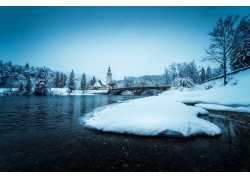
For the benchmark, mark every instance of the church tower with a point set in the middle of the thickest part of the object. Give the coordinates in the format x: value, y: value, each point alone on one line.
x: 109, y: 76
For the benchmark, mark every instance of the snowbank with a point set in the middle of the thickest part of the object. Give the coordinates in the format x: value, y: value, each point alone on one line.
x: 64, y: 91
x: 235, y: 93
x: 223, y: 108
x: 152, y: 116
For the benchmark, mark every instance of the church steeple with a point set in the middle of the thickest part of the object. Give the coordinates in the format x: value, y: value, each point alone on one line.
x: 109, y: 76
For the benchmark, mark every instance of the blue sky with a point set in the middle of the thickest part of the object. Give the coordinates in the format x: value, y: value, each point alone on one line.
x: 135, y: 41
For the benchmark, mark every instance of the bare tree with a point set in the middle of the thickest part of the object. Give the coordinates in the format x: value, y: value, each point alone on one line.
x: 240, y: 54
x: 222, y: 37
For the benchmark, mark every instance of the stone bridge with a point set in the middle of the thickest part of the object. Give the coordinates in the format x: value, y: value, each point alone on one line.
x: 137, y: 90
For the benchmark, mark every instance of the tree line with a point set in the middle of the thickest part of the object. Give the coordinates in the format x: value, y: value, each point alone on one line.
x: 36, y: 80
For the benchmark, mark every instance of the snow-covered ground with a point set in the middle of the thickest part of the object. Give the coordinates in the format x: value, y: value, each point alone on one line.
x: 235, y: 94
x: 64, y: 91
x: 167, y: 115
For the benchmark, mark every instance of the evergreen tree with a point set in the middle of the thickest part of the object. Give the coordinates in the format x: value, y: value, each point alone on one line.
x: 208, y: 73
x: 93, y: 81
x: 71, y: 84
x: 64, y: 80
x: 27, y: 66
x: 28, y: 86
x: 57, y: 80
x: 41, y: 83
x: 203, y: 75
x: 83, y: 84
x: 21, y: 88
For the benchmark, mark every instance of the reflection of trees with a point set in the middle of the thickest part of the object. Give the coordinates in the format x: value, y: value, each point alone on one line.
x: 41, y: 113
x: 71, y: 103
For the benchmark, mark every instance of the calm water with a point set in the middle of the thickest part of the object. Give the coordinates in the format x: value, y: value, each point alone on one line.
x: 47, y: 134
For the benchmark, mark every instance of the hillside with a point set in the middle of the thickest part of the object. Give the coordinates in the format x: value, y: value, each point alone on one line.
x: 234, y: 94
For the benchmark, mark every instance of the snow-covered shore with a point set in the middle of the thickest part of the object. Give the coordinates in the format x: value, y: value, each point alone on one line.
x: 235, y: 94
x: 62, y: 91
x: 167, y: 115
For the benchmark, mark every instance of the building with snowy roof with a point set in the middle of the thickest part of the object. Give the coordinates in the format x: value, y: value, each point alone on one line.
x: 100, y: 84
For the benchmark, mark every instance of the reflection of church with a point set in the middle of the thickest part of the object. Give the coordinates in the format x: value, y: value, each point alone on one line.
x: 101, y: 84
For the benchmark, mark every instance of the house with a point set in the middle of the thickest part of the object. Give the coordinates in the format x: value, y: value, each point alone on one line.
x: 100, y: 85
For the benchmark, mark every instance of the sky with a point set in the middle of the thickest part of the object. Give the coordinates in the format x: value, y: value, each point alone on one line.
x: 133, y: 40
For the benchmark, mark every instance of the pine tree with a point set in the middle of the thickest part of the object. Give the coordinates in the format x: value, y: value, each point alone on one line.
x: 28, y: 86
x: 21, y: 88
x: 41, y: 83
x: 57, y: 80
x: 83, y: 85
x: 208, y: 73
x: 203, y: 75
x: 93, y: 81
x: 71, y: 84
x: 27, y: 66
x: 64, y: 80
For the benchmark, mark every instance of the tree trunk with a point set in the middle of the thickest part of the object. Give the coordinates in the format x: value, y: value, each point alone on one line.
x: 225, y: 67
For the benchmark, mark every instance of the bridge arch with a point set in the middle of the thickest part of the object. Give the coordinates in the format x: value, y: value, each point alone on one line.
x: 138, y: 90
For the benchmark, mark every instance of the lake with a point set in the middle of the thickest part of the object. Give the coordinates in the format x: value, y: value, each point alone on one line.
x: 47, y: 134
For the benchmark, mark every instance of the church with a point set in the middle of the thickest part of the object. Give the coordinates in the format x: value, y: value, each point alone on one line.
x: 101, y: 85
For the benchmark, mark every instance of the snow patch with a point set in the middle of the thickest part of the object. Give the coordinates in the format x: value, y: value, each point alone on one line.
x: 152, y: 116
x: 223, y: 108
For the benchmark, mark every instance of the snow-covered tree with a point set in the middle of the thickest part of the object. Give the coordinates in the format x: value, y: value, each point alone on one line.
x: 71, y: 83
x: 93, y: 81
x: 183, y: 83
x: 128, y: 81
x: 240, y: 54
x: 28, y: 87
x: 57, y: 80
x: 208, y: 73
x: 83, y: 84
x: 193, y: 72
x: 41, y: 86
x: 167, y: 76
x: 112, y: 83
x: 63, y: 79
x: 203, y: 75
x: 222, y: 37
x: 173, y: 70
x: 21, y: 89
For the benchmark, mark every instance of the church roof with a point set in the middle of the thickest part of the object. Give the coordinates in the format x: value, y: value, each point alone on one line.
x: 102, y: 82
x: 97, y: 84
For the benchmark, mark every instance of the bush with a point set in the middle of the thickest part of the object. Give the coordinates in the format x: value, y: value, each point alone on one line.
x: 183, y: 83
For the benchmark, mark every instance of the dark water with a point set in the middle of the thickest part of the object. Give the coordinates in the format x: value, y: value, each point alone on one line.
x: 47, y: 134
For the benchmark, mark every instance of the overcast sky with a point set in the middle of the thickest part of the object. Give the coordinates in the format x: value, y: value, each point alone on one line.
x: 135, y: 41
